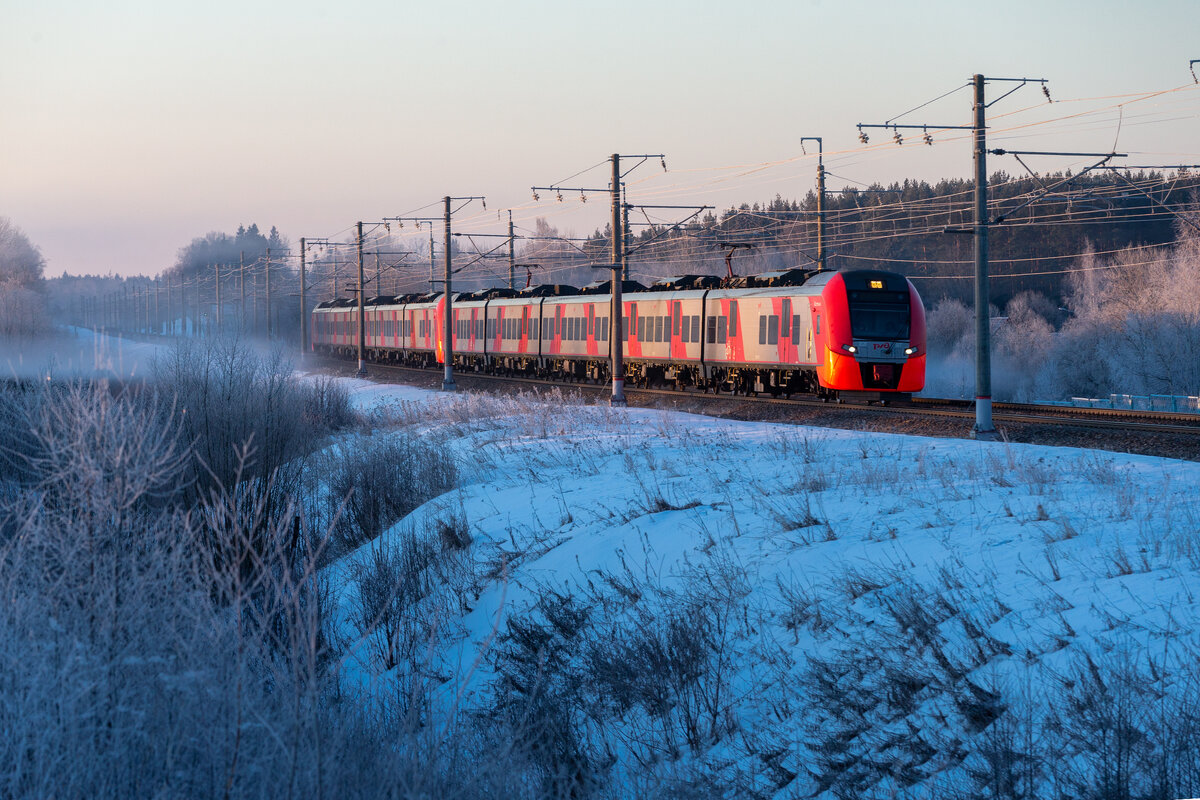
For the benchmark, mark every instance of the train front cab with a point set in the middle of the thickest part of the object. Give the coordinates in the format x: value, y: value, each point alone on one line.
x: 875, y: 338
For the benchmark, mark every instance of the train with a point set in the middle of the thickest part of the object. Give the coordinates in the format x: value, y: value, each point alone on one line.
x: 838, y: 335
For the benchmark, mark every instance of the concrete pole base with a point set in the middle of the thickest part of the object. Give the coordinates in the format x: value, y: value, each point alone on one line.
x: 448, y: 386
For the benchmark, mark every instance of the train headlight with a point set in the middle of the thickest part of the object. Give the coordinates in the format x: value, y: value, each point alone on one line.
x: 849, y: 348
x: 910, y: 351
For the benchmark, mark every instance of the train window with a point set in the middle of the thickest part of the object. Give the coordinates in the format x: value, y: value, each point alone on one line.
x: 711, y: 334
x: 722, y: 322
x: 591, y: 320
x: 695, y: 327
x: 685, y: 334
x: 678, y: 322
x: 884, y: 320
x: 818, y: 324
x: 733, y: 317
x: 604, y: 330
x: 658, y: 329
x: 762, y: 329
x: 795, y: 329
x: 773, y: 329
x: 625, y: 329
x: 785, y: 318
x: 632, y: 324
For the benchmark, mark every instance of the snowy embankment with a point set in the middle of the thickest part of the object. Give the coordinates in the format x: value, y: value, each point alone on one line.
x: 792, y: 611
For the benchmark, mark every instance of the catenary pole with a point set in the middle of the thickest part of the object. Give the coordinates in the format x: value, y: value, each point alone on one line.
x: 512, y: 258
x: 618, y: 256
x: 362, y: 322
x: 270, y: 332
x: 217, y: 287
x: 984, y: 429
x: 447, y: 344
x: 303, y: 302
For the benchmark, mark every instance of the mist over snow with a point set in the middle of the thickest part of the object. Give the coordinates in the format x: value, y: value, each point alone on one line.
x: 76, y: 353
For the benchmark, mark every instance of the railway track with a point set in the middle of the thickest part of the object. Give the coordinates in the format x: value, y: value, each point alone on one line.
x: 1002, y: 413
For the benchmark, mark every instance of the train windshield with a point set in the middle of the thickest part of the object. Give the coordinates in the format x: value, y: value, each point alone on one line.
x: 878, y: 315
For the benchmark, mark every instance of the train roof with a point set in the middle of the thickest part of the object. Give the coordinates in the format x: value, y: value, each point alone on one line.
x: 605, y: 287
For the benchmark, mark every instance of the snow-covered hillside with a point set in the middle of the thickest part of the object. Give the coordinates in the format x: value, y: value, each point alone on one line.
x: 748, y: 609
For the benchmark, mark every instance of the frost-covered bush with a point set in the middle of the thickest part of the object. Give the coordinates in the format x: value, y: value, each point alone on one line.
x: 162, y: 643
x: 375, y: 480
x: 245, y: 413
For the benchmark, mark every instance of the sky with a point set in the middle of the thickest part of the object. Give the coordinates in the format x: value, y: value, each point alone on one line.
x: 129, y: 128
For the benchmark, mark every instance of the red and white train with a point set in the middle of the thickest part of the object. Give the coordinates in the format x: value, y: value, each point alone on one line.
x: 852, y: 334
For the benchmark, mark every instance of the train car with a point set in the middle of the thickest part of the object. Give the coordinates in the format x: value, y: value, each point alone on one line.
x: 513, y: 332
x: 382, y: 316
x: 424, y: 323
x: 335, y: 327
x: 662, y: 339
x: 873, y: 343
x: 469, y: 330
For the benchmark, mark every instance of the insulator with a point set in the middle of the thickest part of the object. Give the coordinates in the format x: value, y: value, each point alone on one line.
x: 560, y: 197
x: 1046, y: 91
x: 928, y: 139
x: 535, y: 197
x: 664, y: 164
x: 387, y: 226
x: 862, y: 137
x: 484, y: 201
x: 899, y: 139
x: 582, y: 197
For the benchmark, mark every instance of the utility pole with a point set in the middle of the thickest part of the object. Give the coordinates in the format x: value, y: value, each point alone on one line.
x: 217, y: 283
x: 984, y: 428
x: 447, y: 344
x: 268, y: 282
x: 432, y: 261
x: 821, y: 266
x: 618, y: 262
x: 512, y: 258
x: 618, y: 259
x: 303, y: 303
x: 362, y: 323
x: 624, y: 237
x: 242, y: 275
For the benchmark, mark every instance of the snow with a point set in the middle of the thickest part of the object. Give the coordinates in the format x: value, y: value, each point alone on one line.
x: 833, y: 546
